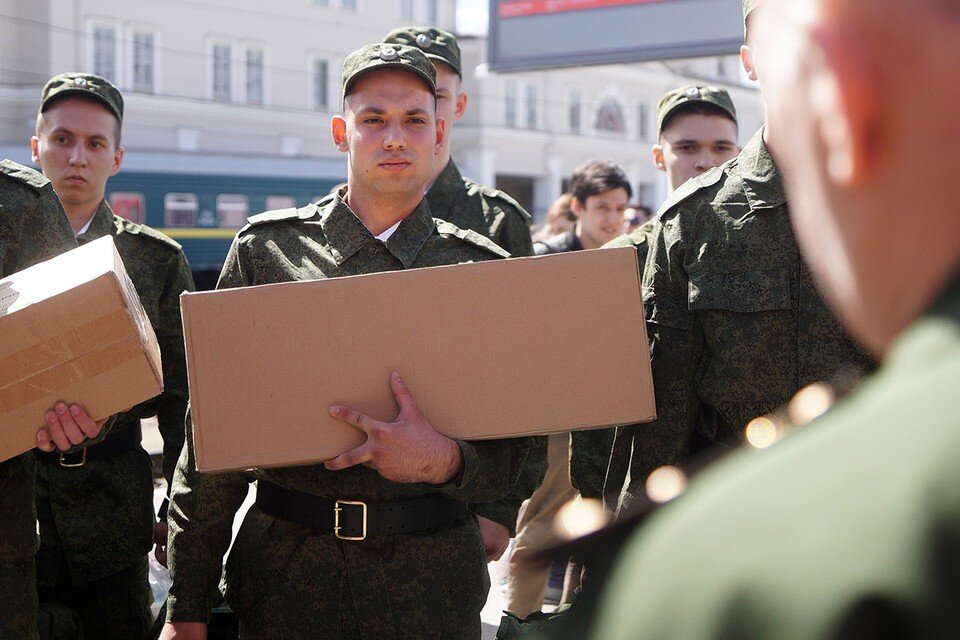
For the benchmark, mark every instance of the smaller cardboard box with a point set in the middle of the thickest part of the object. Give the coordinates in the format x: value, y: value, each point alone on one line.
x: 489, y: 350
x: 72, y: 329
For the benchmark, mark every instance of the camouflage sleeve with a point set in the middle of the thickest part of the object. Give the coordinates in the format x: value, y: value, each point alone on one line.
x: 676, y: 349
x: 172, y: 404
x: 202, y: 508
x: 33, y: 227
x: 491, y: 469
x: 506, y: 510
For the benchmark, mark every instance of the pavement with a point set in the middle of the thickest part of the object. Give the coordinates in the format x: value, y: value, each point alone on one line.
x: 490, y: 616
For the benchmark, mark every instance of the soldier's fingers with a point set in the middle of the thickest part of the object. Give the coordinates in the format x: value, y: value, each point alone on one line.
x: 70, y: 428
x: 402, y: 393
x: 351, y: 458
x: 43, y: 439
x: 87, y: 425
x: 55, y: 431
x: 351, y: 416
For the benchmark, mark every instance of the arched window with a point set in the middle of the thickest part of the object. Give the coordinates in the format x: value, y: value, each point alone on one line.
x: 610, y: 116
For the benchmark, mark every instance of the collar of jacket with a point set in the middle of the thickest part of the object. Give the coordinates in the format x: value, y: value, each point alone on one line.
x: 101, y: 225
x: 761, y: 178
x: 346, y: 234
x: 446, y: 190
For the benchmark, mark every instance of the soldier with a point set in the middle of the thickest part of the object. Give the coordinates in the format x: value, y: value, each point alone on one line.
x: 849, y: 528
x: 290, y: 574
x: 32, y: 229
x: 93, y: 544
x: 736, y: 326
x: 482, y: 209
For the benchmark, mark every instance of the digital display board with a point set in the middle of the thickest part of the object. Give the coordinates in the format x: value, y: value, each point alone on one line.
x: 539, y: 34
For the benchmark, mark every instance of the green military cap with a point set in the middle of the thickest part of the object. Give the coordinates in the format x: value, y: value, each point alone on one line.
x: 82, y: 84
x: 439, y: 45
x: 383, y: 56
x: 673, y: 100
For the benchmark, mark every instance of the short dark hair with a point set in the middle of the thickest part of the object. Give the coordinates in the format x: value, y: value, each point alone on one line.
x: 598, y: 177
x: 699, y: 109
x: 117, y: 127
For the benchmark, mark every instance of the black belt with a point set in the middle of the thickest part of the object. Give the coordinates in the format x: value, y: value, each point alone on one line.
x: 122, y: 440
x: 354, y: 519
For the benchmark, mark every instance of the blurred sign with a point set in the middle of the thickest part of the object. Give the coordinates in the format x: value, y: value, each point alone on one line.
x: 539, y: 34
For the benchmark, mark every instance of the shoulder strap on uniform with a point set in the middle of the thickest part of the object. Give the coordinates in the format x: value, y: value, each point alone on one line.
x: 691, y: 187
x: 274, y: 216
x: 500, y: 197
x: 474, y: 238
x: 23, y: 174
x: 148, y: 232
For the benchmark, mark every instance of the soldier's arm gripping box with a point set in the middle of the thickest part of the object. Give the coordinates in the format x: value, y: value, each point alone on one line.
x: 72, y: 329
x: 489, y: 350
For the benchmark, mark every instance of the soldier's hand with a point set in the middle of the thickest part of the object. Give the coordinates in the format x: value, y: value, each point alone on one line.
x: 184, y: 631
x: 160, y: 530
x: 66, y: 427
x: 408, y: 449
x: 495, y: 538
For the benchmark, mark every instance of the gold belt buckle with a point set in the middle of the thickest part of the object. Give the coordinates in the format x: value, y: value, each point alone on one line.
x: 83, y: 461
x: 337, y: 508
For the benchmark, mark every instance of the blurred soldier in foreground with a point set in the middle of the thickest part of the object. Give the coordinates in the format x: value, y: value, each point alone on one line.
x: 487, y: 211
x: 407, y: 559
x: 851, y: 527
x: 736, y: 326
x: 93, y: 544
x: 33, y: 228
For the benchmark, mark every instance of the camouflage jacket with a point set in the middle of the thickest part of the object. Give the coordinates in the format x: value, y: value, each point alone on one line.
x: 735, y: 323
x: 496, y: 215
x: 108, y: 525
x: 33, y: 228
x: 279, y: 573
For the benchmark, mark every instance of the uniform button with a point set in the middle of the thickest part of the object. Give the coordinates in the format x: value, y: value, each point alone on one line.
x: 372, y: 250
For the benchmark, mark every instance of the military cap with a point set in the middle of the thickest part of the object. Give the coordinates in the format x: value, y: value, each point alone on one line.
x: 82, y: 84
x: 438, y: 45
x: 384, y: 56
x: 673, y: 100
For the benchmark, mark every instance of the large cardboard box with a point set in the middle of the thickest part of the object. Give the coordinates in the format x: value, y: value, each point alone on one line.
x: 489, y: 350
x: 72, y: 329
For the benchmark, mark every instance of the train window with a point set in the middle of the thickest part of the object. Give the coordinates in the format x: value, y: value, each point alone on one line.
x: 180, y: 209
x: 232, y: 210
x: 280, y: 202
x: 129, y: 205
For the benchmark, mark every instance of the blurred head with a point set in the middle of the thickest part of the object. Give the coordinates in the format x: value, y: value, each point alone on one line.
x: 560, y: 217
x: 857, y: 127
x: 634, y: 216
x: 601, y: 193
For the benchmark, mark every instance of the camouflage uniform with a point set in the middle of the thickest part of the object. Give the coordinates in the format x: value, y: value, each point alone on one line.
x: 33, y: 228
x: 283, y: 580
x: 93, y: 543
x: 736, y: 326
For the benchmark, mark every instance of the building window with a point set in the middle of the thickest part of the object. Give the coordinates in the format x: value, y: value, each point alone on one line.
x: 319, y: 80
x: 232, y: 210
x: 510, y: 104
x: 280, y: 202
x: 531, y: 106
x: 221, y: 73
x: 573, y: 112
x: 406, y: 9
x: 105, y: 52
x: 643, y: 121
x: 143, y: 64
x: 433, y: 12
x: 610, y: 117
x: 129, y: 205
x: 254, y: 69
x: 180, y: 209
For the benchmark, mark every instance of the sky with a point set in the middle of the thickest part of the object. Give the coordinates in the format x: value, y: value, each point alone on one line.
x: 472, y: 16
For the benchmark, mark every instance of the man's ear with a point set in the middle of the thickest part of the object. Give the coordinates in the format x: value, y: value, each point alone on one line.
x: 338, y: 131
x: 441, y: 135
x: 844, y: 99
x: 746, y: 59
x: 657, y: 152
x: 35, y: 150
x: 117, y: 160
x: 576, y: 207
x: 461, y: 106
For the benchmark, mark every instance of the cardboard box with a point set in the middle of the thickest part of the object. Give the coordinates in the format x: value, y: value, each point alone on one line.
x: 489, y: 350
x: 72, y: 329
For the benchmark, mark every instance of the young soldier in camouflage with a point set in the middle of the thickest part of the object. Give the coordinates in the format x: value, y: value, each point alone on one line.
x: 848, y: 529
x: 736, y: 326
x: 487, y: 211
x: 291, y: 574
x: 92, y: 562
x: 32, y: 229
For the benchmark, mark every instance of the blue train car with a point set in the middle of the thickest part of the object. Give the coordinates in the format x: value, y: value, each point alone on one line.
x: 204, y: 212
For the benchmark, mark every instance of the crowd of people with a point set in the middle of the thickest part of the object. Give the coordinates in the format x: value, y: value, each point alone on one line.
x: 772, y: 271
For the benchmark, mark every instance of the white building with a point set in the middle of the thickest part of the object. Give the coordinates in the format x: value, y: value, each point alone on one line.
x: 228, y: 104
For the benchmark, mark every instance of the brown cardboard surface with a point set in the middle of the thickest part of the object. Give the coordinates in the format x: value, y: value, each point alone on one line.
x: 72, y: 329
x: 489, y: 350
